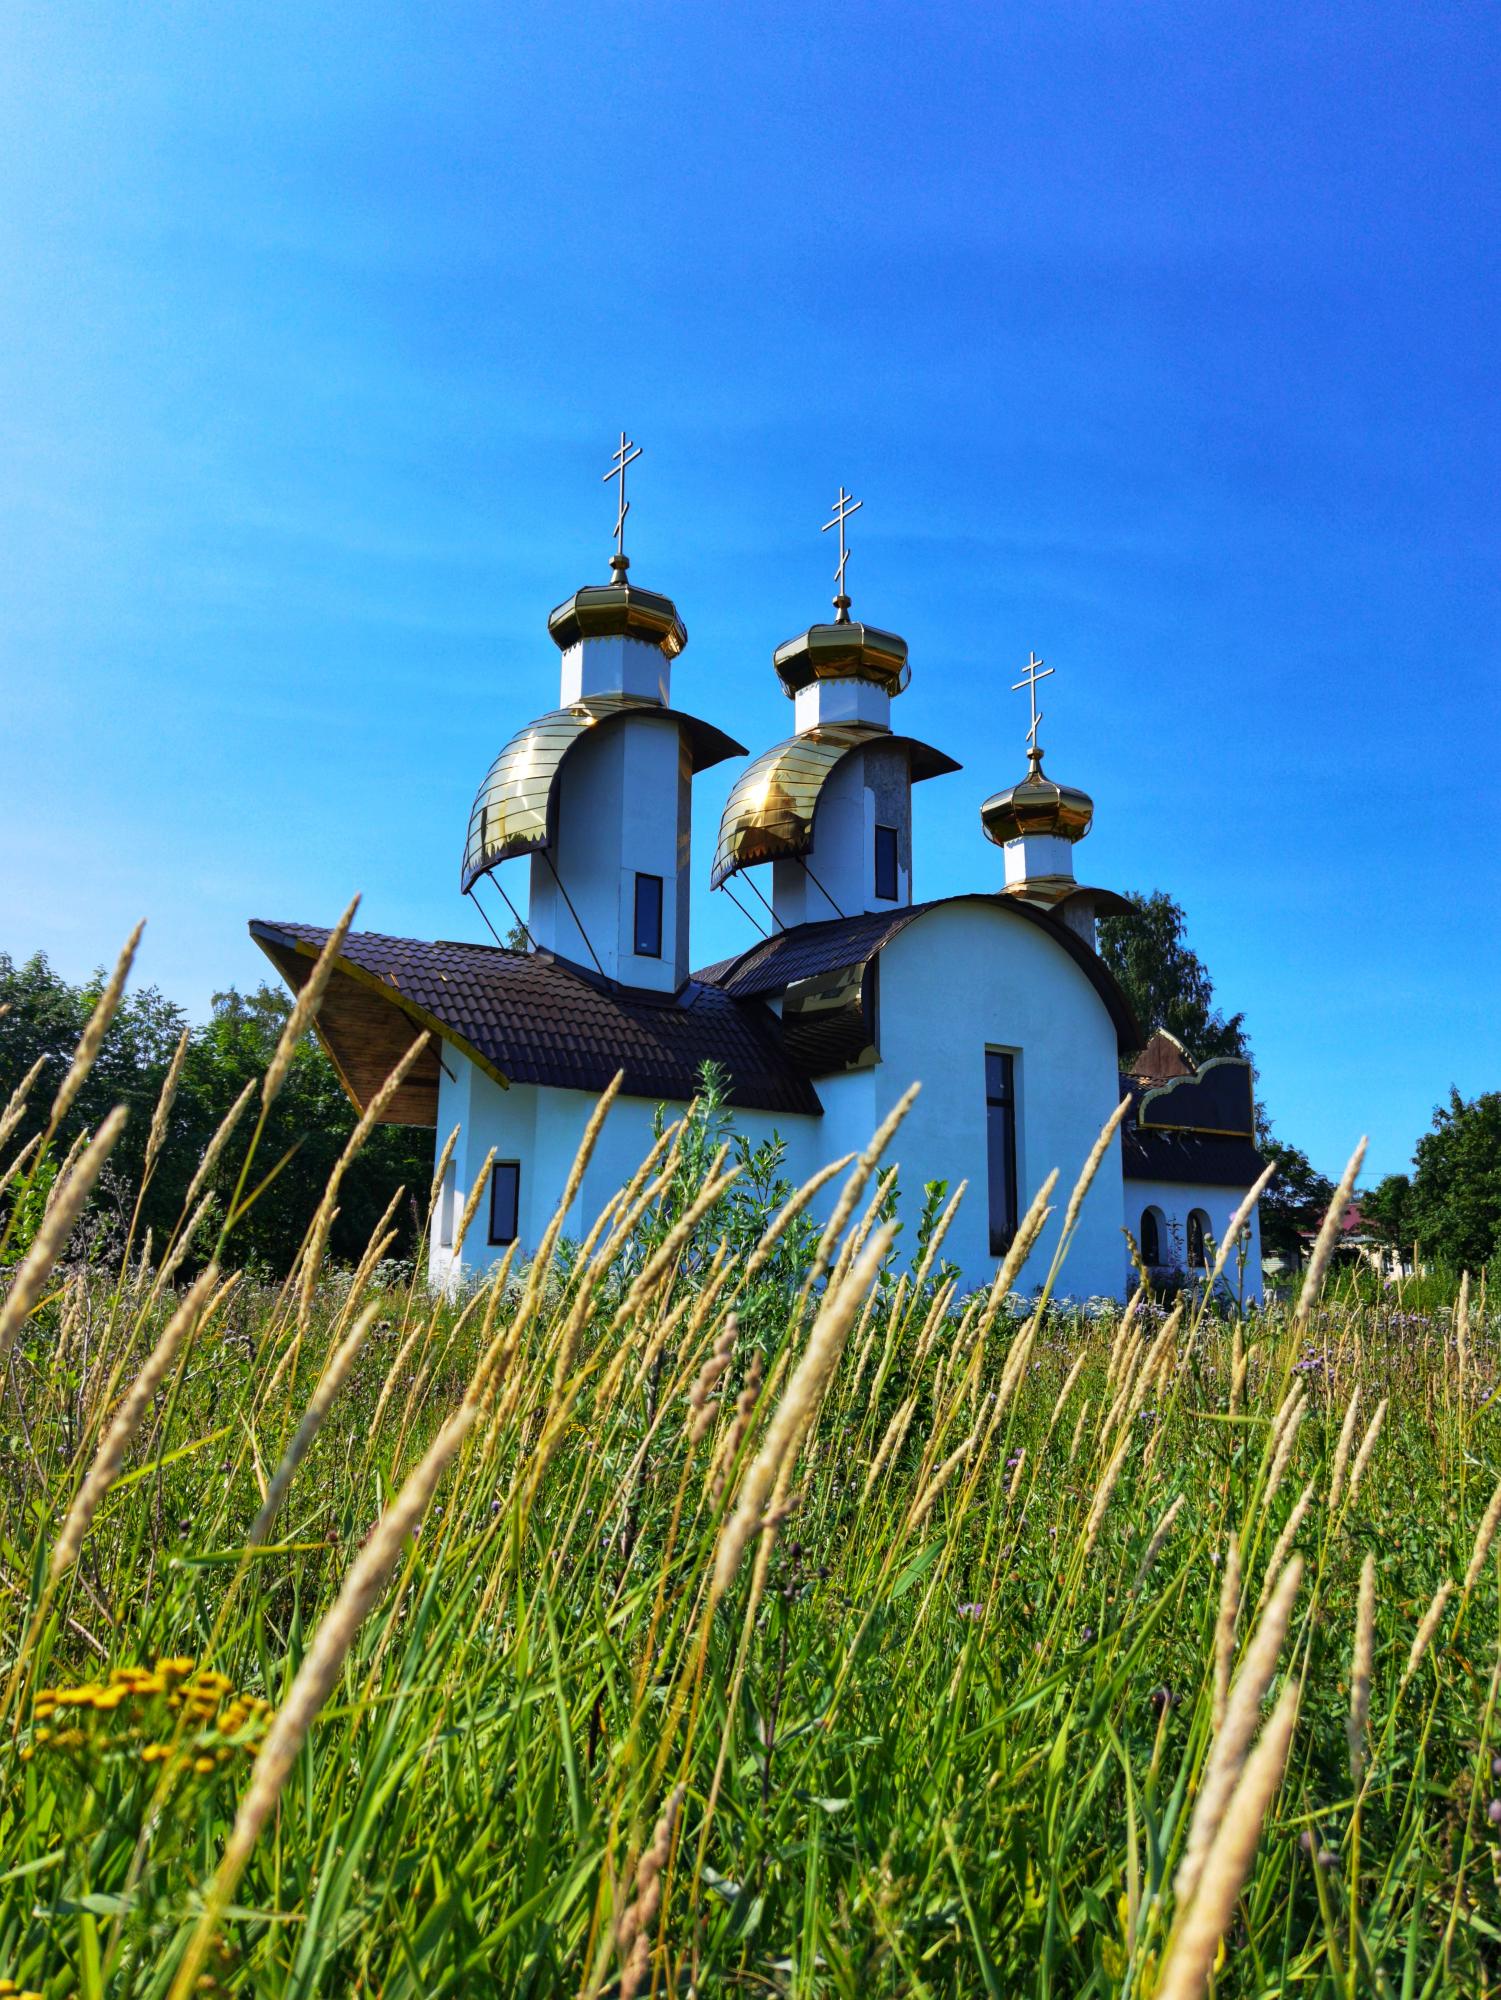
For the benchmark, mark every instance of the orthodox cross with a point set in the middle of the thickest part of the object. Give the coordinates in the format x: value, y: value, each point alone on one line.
x: 1035, y: 672
x: 626, y: 454
x: 844, y: 506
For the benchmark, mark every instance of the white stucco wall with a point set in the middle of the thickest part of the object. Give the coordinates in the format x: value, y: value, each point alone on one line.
x: 1033, y: 855
x: 868, y: 788
x: 841, y: 700
x: 622, y: 807
x: 971, y: 975
x: 542, y: 1129
x: 615, y: 665
x: 1175, y: 1201
x: 961, y: 978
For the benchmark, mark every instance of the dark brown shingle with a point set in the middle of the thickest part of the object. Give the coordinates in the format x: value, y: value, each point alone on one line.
x: 528, y: 1018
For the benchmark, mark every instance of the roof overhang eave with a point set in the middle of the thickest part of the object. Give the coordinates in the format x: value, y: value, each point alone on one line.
x: 267, y: 935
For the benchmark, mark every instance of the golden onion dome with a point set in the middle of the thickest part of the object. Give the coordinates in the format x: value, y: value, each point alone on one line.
x: 515, y: 809
x: 843, y: 651
x: 769, y: 813
x: 1037, y: 806
x: 618, y: 609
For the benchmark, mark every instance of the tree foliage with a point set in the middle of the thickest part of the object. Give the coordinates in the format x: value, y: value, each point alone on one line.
x: 1455, y: 1210
x: 1165, y: 980
x: 305, y: 1131
x: 1169, y: 986
x: 1295, y: 1204
x: 1387, y: 1212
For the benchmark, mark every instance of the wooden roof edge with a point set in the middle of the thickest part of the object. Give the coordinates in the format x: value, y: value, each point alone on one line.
x: 267, y: 934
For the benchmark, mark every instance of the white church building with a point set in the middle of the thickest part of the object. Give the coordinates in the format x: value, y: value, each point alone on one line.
x: 995, y: 999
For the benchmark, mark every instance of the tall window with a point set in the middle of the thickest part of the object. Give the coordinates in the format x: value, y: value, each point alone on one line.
x: 505, y: 1200
x: 648, y: 916
x: 447, y: 1202
x: 1151, y: 1238
x: 1000, y: 1141
x: 886, y: 863
x: 1198, y: 1239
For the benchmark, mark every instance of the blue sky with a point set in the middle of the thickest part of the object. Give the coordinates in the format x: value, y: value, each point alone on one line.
x: 1161, y: 339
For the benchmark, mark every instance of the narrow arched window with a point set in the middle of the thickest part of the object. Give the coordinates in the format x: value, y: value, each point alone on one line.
x: 1198, y: 1239
x: 1151, y: 1239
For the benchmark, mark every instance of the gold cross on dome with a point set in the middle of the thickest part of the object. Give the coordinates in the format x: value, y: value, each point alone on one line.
x: 1035, y: 672
x: 844, y: 506
x: 626, y: 454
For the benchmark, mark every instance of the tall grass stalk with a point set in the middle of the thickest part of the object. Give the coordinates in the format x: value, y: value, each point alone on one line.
x: 848, y: 1633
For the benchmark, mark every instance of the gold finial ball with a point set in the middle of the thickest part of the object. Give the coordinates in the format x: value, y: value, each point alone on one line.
x: 1037, y: 806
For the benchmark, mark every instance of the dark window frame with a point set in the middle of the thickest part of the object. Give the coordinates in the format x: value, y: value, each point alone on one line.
x: 447, y: 1206
x: 888, y: 864
x: 655, y: 918
x: 513, y: 1168
x: 1151, y: 1238
x: 1198, y: 1240
x: 1000, y: 1131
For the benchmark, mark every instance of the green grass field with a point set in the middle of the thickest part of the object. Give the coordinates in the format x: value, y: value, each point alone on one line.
x: 675, y: 1616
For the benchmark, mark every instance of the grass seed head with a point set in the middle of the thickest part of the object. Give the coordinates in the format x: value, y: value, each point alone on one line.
x: 1485, y: 1535
x: 118, y: 1439
x: 1329, y: 1234
x: 305, y: 1008
x: 94, y: 1031
x: 1423, y: 1637
x: 1203, y: 1923
x: 1361, y: 1669
x: 68, y: 1197
x: 1224, y: 1630
x: 1342, y: 1450
x: 799, y: 1400
x: 1363, y: 1456
x: 1227, y: 1755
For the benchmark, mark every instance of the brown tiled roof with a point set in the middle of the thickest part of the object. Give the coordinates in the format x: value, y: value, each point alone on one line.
x: 806, y: 950
x: 529, y: 1018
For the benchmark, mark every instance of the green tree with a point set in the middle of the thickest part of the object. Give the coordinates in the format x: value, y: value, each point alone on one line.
x: 1387, y: 1212
x: 306, y: 1130
x: 1296, y: 1202
x: 1169, y: 986
x: 1165, y: 980
x: 45, y: 1017
x: 1456, y: 1185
